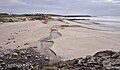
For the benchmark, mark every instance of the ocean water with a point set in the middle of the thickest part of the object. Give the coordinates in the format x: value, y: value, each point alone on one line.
x: 110, y: 23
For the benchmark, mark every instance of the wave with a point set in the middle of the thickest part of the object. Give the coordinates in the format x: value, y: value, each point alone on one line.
x: 110, y: 23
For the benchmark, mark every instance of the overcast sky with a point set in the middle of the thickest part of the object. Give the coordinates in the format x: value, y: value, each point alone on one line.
x: 92, y: 7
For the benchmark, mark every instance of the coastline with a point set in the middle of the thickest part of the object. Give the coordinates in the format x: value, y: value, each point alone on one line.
x: 76, y: 41
x: 57, y: 44
x: 108, y: 23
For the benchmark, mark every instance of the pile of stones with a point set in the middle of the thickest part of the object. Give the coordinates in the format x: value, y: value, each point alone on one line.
x: 22, y: 59
x: 30, y: 59
x: 104, y: 60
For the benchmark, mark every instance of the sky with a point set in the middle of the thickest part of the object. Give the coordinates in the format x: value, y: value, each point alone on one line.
x: 64, y: 7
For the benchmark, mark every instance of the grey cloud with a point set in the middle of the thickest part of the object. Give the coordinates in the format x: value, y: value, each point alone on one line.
x: 94, y: 7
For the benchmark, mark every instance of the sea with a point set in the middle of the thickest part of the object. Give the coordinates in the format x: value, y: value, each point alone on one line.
x: 109, y: 23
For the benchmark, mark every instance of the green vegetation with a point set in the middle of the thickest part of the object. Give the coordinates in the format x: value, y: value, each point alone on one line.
x: 40, y: 17
x: 4, y: 17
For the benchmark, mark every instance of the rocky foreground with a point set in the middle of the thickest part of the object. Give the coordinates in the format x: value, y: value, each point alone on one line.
x: 73, y: 43
x: 30, y: 59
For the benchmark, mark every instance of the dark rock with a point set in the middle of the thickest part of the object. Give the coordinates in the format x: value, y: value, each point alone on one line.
x: 104, y: 53
x: 26, y: 43
x: 7, y: 43
x: 18, y: 47
x: 16, y: 59
x: 47, y: 58
x: 29, y: 59
x: 13, y: 41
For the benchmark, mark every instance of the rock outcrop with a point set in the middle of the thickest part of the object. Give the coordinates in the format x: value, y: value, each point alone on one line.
x: 104, y: 60
x: 30, y: 59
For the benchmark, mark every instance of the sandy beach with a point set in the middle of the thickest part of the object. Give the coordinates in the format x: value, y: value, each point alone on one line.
x: 75, y: 40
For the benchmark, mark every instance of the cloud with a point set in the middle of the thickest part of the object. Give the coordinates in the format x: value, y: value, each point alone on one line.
x: 106, y: 1
x: 12, y: 2
x: 94, y: 7
x: 113, y: 1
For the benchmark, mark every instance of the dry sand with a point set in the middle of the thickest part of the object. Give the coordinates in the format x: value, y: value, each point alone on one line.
x: 75, y: 41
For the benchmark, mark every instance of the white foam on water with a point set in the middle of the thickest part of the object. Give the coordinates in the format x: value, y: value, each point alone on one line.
x: 110, y: 23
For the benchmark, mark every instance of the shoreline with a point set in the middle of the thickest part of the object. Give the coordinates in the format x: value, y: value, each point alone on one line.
x: 75, y: 37
x: 111, y: 26
x: 98, y: 27
x: 57, y: 44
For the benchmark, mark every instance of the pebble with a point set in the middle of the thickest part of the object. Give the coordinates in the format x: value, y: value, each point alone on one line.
x: 15, y: 54
x: 29, y: 59
x: 47, y: 58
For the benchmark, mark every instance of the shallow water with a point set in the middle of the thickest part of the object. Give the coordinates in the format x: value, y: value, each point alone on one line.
x: 110, y: 23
